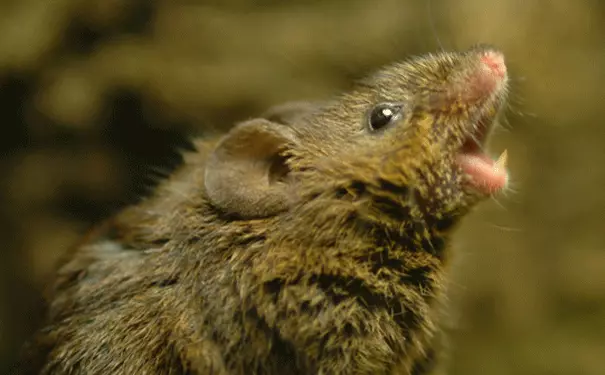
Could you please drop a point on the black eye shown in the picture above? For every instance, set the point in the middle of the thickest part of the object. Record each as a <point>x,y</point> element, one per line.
<point>383,114</point>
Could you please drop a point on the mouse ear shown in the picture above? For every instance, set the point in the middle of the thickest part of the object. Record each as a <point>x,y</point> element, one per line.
<point>289,113</point>
<point>246,173</point>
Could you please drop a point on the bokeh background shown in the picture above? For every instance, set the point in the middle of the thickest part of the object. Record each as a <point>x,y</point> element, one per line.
<point>93,92</point>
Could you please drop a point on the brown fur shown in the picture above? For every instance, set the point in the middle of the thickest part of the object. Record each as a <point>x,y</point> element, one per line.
<point>343,276</point>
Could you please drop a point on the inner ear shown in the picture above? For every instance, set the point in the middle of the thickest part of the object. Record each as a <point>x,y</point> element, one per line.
<point>247,173</point>
<point>279,169</point>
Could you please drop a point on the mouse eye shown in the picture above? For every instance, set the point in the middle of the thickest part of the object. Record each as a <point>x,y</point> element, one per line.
<point>383,114</point>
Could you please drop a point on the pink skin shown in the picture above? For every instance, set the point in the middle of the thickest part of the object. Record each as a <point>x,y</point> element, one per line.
<point>486,176</point>
<point>495,61</point>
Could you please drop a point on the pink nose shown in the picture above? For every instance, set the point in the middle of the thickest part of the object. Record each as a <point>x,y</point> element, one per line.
<point>495,62</point>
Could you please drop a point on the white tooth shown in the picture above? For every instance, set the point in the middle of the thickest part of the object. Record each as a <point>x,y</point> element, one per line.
<point>500,164</point>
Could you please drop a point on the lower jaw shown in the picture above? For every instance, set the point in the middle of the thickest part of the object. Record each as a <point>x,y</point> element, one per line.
<point>485,175</point>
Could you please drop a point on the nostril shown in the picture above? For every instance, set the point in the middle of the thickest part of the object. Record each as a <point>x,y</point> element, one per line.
<point>495,62</point>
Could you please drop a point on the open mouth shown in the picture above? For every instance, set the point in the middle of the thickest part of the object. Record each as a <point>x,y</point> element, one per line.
<point>487,175</point>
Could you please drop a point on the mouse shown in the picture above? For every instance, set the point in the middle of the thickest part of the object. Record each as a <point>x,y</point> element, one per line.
<point>314,238</point>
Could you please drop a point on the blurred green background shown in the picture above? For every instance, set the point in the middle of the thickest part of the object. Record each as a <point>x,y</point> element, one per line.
<point>92,91</point>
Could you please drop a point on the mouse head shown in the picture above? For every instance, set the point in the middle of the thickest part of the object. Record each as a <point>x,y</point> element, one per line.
<point>408,139</point>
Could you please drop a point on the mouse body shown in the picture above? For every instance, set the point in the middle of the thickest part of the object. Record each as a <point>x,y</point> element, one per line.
<point>313,239</point>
